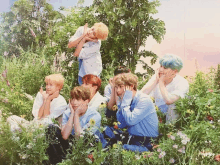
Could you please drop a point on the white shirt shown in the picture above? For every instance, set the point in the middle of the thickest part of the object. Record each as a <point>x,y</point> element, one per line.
<point>90,54</point>
<point>179,86</point>
<point>96,101</point>
<point>57,107</point>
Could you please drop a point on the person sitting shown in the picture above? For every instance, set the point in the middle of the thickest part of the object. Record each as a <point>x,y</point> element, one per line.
<point>93,82</point>
<point>76,119</point>
<point>88,43</point>
<point>48,104</point>
<point>109,89</point>
<point>167,86</point>
<point>136,112</point>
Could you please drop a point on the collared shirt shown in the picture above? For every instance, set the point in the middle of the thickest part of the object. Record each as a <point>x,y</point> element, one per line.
<point>90,54</point>
<point>138,114</point>
<point>179,86</point>
<point>84,120</point>
<point>107,92</point>
<point>57,107</point>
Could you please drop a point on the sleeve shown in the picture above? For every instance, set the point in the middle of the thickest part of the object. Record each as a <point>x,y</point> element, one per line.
<point>57,107</point>
<point>38,102</point>
<point>121,120</point>
<point>89,51</point>
<point>93,118</point>
<point>181,89</point>
<point>107,92</point>
<point>143,108</point>
<point>152,79</point>
<point>77,34</point>
<point>65,117</point>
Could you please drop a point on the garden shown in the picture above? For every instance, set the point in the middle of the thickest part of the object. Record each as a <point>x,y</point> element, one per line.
<point>32,48</point>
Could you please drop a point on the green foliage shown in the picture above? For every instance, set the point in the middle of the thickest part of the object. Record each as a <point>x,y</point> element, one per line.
<point>130,23</point>
<point>217,77</point>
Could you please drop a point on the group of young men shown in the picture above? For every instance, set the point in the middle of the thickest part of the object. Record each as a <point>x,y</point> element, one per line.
<point>135,109</point>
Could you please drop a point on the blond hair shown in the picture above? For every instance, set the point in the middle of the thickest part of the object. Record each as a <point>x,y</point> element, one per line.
<point>101,31</point>
<point>126,79</point>
<point>56,79</point>
<point>80,92</point>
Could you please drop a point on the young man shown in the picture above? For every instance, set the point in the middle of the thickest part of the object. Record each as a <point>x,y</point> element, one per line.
<point>109,89</point>
<point>167,86</point>
<point>136,112</point>
<point>75,120</point>
<point>88,42</point>
<point>93,82</point>
<point>48,104</point>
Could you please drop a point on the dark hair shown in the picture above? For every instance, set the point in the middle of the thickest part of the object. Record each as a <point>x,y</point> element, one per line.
<point>121,69</point>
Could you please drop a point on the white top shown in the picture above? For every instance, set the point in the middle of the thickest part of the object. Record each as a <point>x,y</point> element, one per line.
<point>96,101</point>
<point>90,54</point>
<point>179,86</point>
<point>57,107</point>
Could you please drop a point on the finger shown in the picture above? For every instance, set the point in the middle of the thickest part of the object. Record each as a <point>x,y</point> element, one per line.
<point>41,90</point>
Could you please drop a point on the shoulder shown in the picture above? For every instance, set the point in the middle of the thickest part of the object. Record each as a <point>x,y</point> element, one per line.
<point>101,98</point>
<point>142,97</point>
<point>108,86</point>
<point>179,80</point>
<point>67,112</point>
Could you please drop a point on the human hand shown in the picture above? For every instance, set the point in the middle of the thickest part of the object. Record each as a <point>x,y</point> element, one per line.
<point>167,76</point>
<point>157,75</point>
<point>87,38</point>
<point>81,109</point>
<point>111,82</point>
<point>54,95</point>
<point>71,108</point>
<point>44,94</point>
<point>85,29</point>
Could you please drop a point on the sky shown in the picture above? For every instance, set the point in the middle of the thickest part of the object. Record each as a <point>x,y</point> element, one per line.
<point>195,20</point>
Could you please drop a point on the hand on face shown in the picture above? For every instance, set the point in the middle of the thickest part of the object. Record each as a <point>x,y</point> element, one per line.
<point>111,82</point>
<point>54,95</point>
<point>44,94</point>
<point>167,76</point>
<point>71,108</point>
<point>81,109</point>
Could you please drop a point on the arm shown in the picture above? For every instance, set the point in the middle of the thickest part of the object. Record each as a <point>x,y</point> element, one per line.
<point>88,52</point>
<point>168,98</point>
<point>79,47</point>
<point>43,108</point>
<point>67,127</point>
<point>46,111</point>
<point>151,84</point>
<point>112,100</point>
<point>78,36</point>
<point>143,108</point>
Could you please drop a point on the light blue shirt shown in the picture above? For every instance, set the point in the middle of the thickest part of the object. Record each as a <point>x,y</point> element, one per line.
<point>91,113</point>
<point>138,114</point>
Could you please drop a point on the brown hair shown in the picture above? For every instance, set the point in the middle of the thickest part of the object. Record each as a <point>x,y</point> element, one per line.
<point>92,79</point>
<point>80,92</point>
<point>57,79</point>
<point>101,31</point>
<point>126,79</point>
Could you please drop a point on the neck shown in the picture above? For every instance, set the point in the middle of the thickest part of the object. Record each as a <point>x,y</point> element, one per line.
<point>92,95</point>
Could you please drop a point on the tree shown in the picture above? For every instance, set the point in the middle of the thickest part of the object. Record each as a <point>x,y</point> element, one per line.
<point>130,23</point>
<point>29,23</point>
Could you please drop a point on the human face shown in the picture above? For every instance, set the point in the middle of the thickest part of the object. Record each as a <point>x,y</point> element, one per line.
<point>51,88</point>
<point>165,71</point>
<point>120,90</point>
<point>76,103</point>
<point>91,88</point>
<point>91,33</point>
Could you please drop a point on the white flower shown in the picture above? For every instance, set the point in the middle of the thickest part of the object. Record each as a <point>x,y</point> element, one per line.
<point>2,89</point>
<point>172,137</point>
<point>175,146</point>
<point>184,141</point>
<point>211,122</point>
<point>162,154</point>
<point>171,160</point>
<point>24,156</point>
<point>137,157</point>
<point>30,145</point>
<point>122,22</point>
<point>96,14</point>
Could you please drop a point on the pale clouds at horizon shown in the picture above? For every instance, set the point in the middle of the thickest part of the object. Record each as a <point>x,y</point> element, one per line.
<point>198,20</point>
